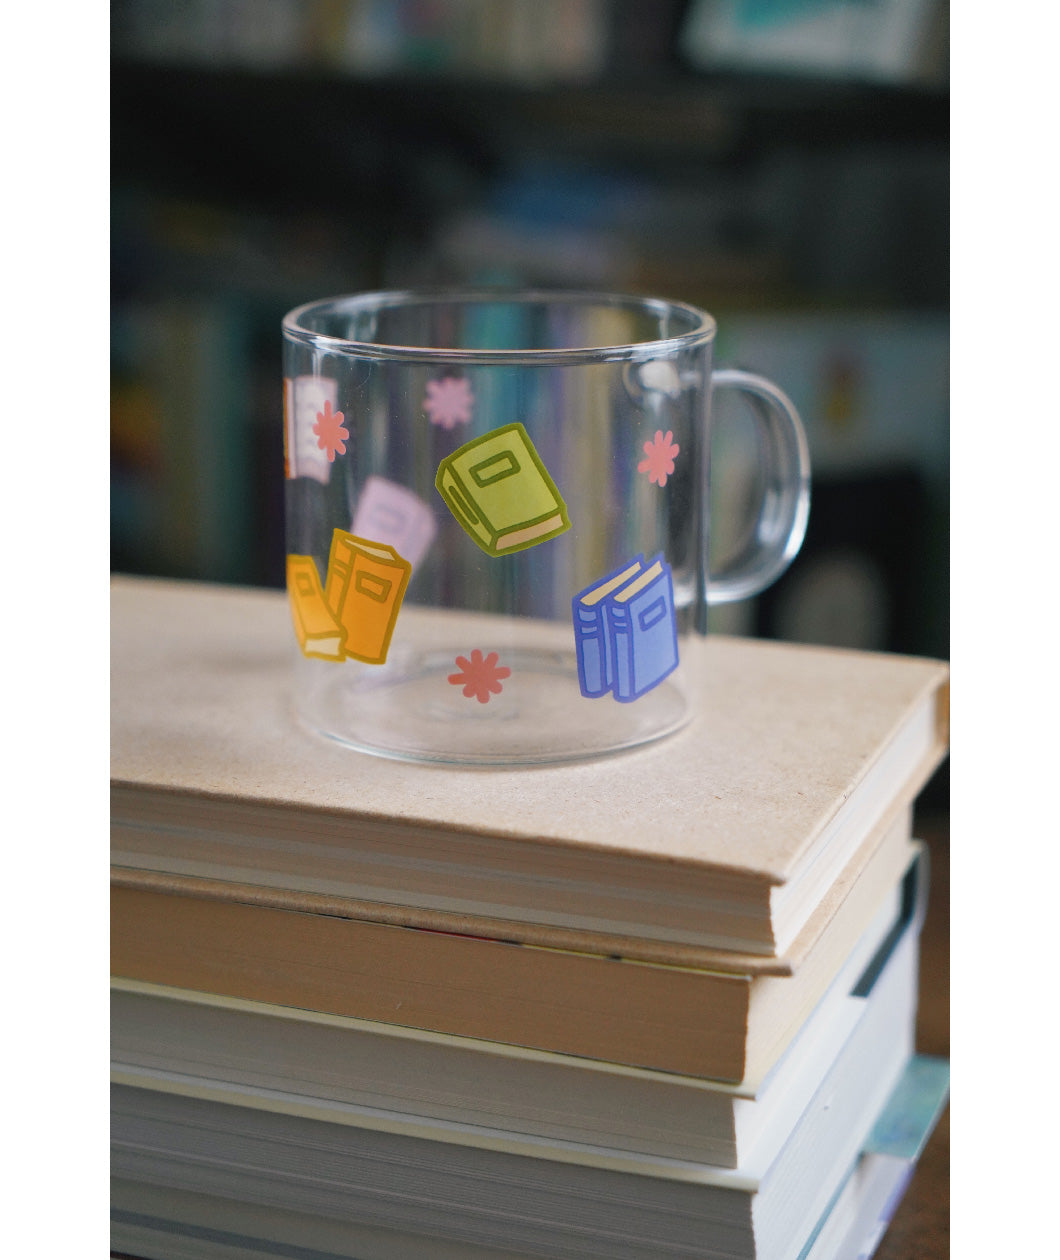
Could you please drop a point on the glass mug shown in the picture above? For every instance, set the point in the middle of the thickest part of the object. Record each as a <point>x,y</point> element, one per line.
<point>498,518</point>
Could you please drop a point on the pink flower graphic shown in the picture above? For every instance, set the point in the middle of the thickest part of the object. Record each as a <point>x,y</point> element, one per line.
<point>448,401</point>
<point>331,434</point>
<point>660,452</point>
<point>479,676</point>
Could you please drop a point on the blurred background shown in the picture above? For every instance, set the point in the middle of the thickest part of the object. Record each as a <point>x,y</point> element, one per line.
<point>784,163</point>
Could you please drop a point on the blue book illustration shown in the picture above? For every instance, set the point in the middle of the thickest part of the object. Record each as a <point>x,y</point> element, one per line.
<point>625,630</point>
<point>592,641</point>
<point>643,631</point>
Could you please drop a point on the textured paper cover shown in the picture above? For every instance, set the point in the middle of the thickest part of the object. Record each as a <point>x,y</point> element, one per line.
<point>201,702</point>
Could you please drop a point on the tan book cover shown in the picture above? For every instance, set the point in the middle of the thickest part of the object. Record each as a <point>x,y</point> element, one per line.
<point>727,836</point>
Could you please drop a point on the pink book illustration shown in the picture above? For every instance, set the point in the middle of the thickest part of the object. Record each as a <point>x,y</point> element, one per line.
<point>392,514</point>
<point>306,400</point>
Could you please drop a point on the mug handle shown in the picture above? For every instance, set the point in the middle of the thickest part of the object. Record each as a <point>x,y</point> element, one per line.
<point>777,534</point>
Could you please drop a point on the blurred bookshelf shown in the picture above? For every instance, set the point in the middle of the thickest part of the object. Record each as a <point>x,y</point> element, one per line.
<point>783,164</point>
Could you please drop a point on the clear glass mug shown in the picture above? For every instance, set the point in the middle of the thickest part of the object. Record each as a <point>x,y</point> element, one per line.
<point>498,518</point>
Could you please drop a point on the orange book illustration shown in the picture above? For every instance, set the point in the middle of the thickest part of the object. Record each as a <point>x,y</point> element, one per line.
<point>365,586</point>
<point>318,630</point>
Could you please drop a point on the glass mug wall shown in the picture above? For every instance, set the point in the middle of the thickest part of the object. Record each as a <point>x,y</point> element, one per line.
<point>498,518</point>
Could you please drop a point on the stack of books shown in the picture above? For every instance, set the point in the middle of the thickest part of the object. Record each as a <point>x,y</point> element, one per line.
<point>661,1004</point>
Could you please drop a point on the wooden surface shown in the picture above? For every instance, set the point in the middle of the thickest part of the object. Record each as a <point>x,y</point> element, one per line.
<point>921,1227</point>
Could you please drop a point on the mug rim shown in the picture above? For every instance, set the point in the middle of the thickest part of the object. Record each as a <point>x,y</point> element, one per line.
<point>703,330</point>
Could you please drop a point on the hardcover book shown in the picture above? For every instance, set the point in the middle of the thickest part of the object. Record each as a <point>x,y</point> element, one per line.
<point>668,854</point>
<point>501,493</point>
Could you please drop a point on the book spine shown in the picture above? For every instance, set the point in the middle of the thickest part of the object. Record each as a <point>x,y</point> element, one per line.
<point>370,606</point>
<point>592,650</point>
<point>621,635</point>
<point>571,1003</point>
<point>462,507</point>
<point>319,634</point>
<point>340,563</point>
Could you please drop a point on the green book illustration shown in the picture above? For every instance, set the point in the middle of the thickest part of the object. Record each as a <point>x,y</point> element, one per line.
<point>499,490</point>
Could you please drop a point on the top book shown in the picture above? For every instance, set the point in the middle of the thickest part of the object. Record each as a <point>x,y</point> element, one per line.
<point>720,840</point>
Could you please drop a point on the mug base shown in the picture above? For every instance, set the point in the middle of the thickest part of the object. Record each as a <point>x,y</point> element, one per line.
<point>421,706</point>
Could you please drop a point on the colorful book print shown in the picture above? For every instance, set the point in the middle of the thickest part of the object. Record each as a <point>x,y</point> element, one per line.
<point>365,585</point>
<point>501,493</point>
<point>595,656</point>
<point>625,630</point>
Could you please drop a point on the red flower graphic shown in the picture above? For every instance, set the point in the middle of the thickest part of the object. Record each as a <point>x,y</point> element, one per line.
<point>448,401</point>
<point>660,452</point>
<point>331,435</point>
<point>480,676</point>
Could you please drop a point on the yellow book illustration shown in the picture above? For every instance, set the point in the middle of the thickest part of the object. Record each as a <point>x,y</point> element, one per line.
<point>499,490</point>
<point>318,630</point>
<point>365,586</point>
